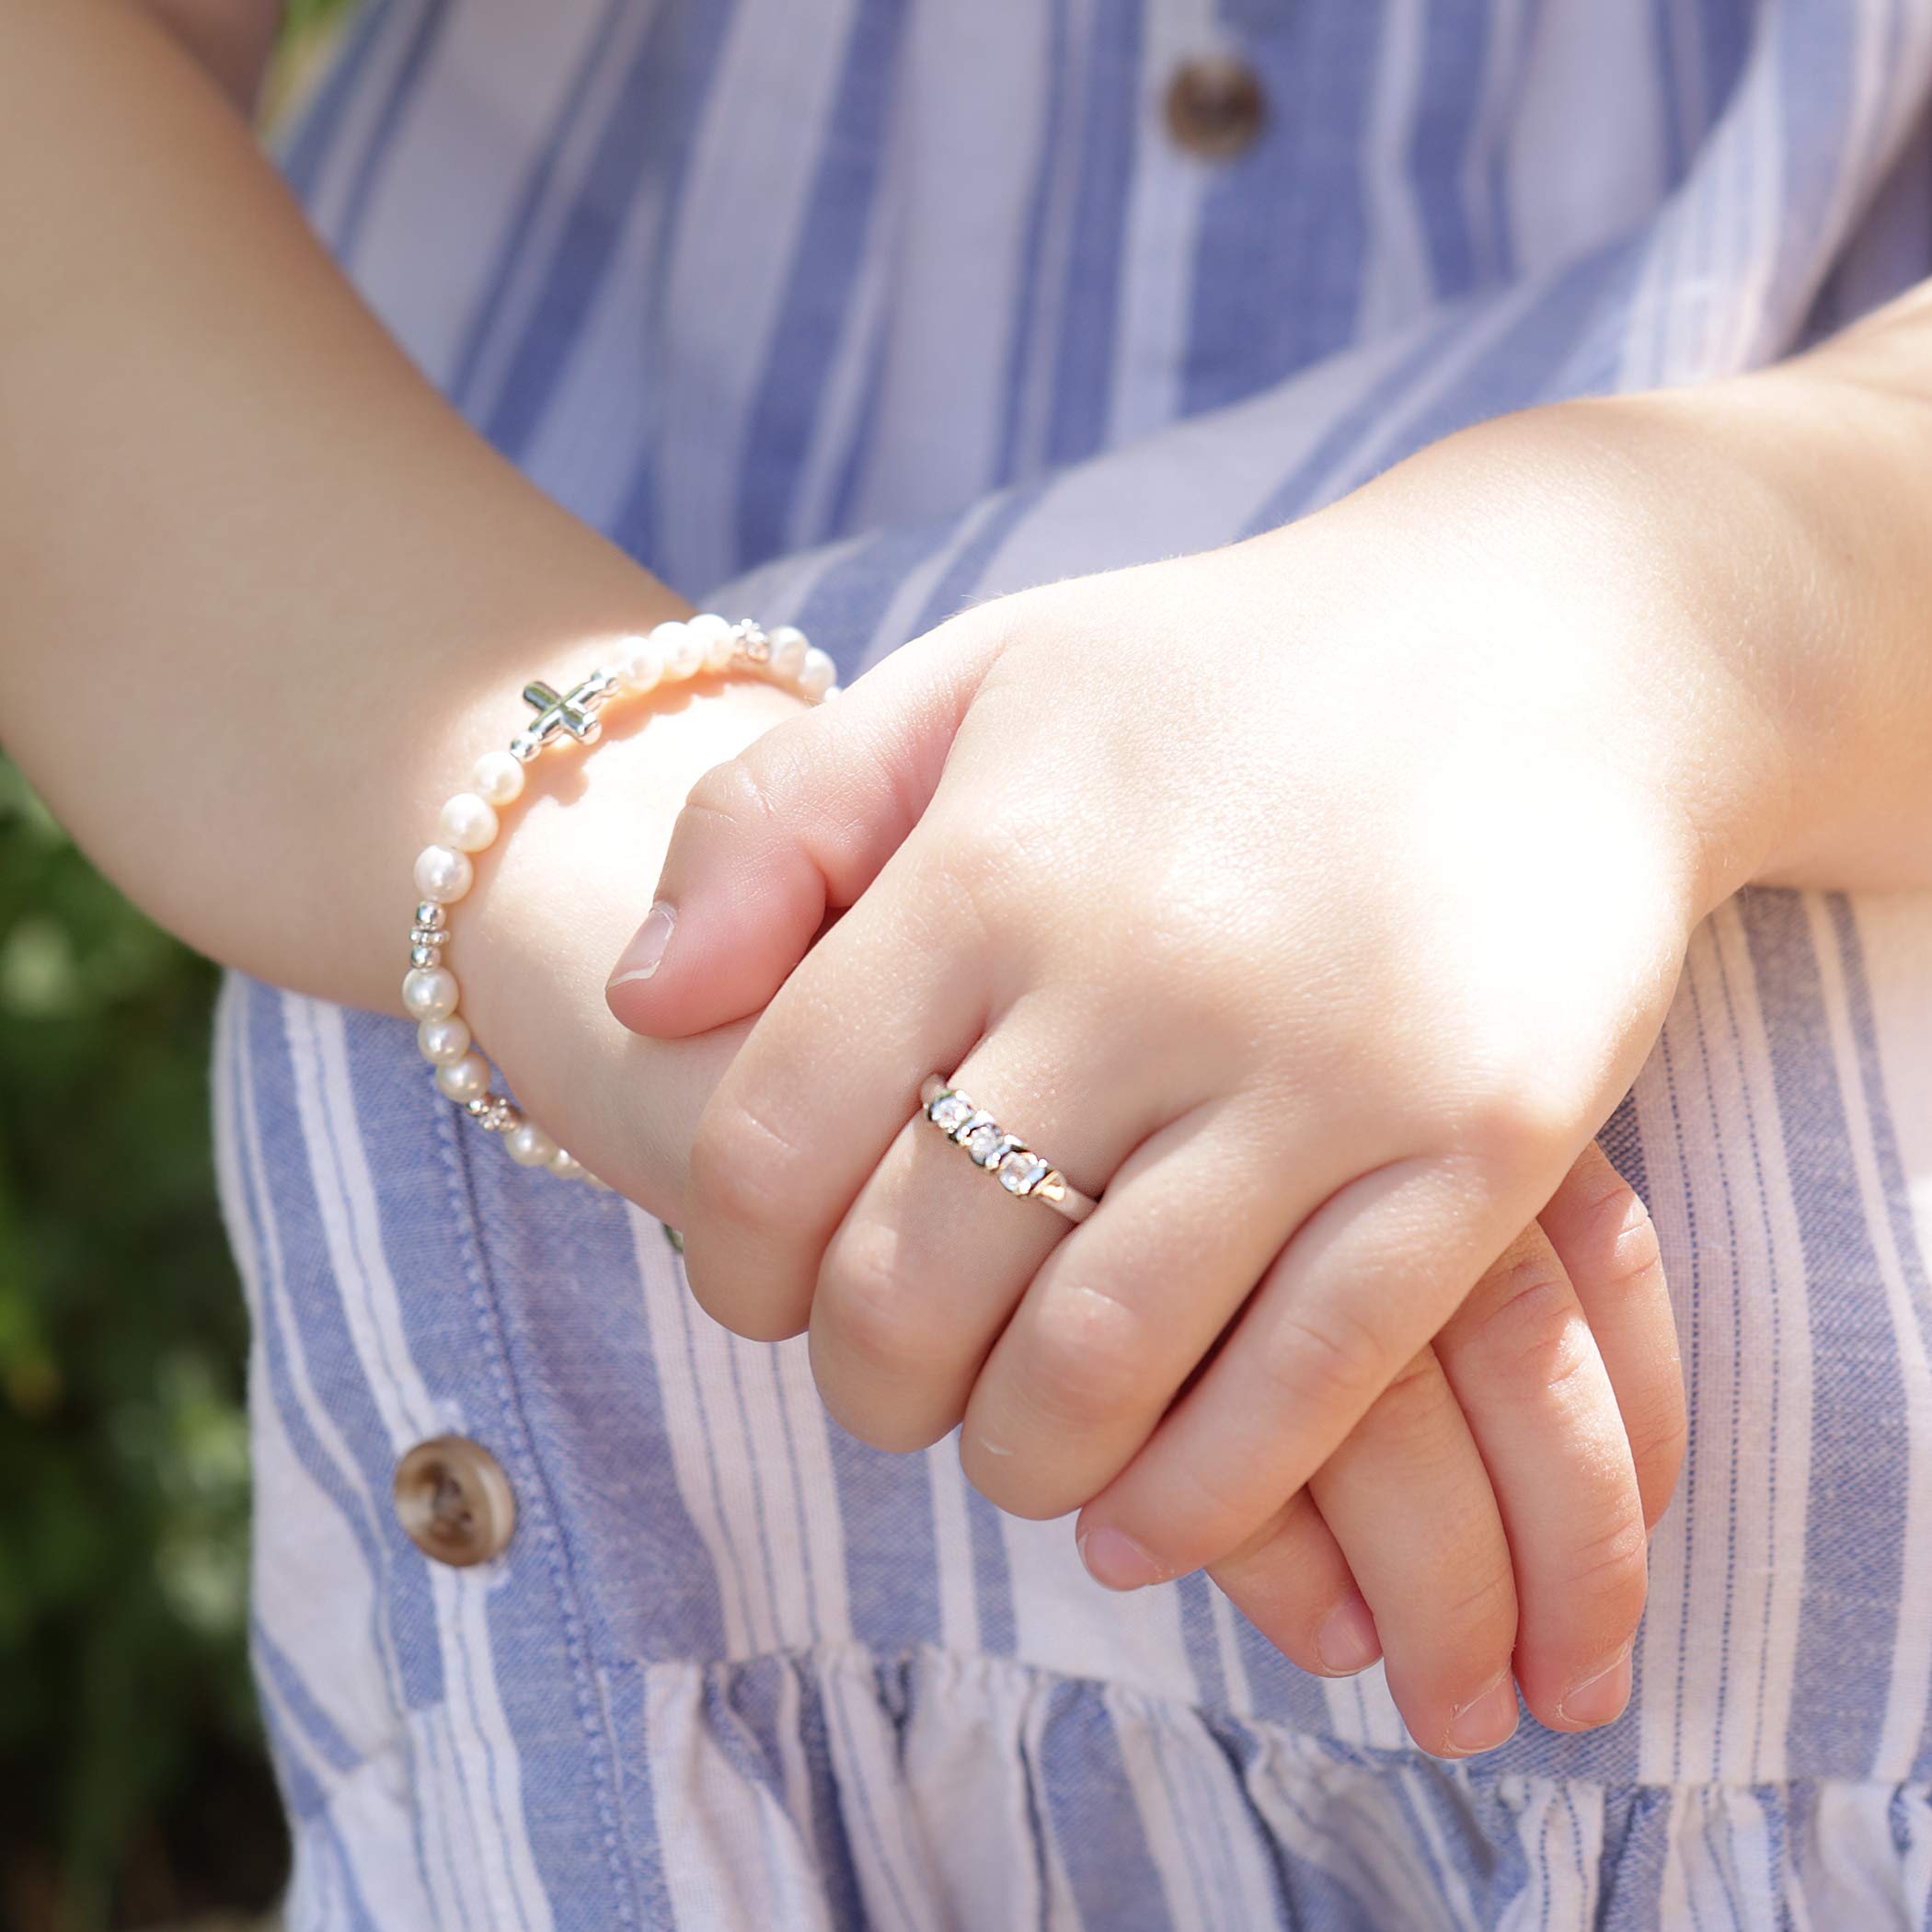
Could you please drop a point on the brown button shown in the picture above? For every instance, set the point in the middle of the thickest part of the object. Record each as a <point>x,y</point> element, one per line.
<point>1216,107</point>
<point>455,1500</point>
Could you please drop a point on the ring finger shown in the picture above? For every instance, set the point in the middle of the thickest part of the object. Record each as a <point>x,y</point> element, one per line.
<point>933,1256</point>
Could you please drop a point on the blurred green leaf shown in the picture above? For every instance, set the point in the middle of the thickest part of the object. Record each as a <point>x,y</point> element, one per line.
<point>126,1722</point>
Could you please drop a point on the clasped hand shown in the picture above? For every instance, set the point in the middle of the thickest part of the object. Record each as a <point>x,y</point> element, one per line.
<point>1314,900</point>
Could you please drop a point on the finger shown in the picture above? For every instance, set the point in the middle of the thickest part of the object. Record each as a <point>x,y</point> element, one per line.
<point>1293,1583</point>
<point>1607,1243</point>
<point>1521,1358</point>
<point>1409,1504</point>
<point>1123,1311</point>
<point>928,1265</point>
<point>799,822</point>
<point>828,1075</point>
<point>1357,1291</point>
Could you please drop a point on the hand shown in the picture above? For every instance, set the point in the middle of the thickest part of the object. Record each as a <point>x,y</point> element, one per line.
<point>1407,1543</point>
<point>1498,1495</point>
<point>1379,960</point>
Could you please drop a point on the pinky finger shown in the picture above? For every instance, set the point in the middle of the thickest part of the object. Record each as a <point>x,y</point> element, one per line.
<point>1293,1583</point>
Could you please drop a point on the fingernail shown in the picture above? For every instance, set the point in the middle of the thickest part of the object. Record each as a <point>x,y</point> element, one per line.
<point>1485,1721</point>
<point>1114,1559</point>
<point>1348,1640</point>
<point>640,959</point>
<point>1601,1696</point>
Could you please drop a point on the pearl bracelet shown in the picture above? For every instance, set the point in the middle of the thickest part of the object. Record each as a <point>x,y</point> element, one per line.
<point>470,824</point>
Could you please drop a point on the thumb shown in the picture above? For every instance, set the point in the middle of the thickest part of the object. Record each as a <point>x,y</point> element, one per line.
<point>793,828</point>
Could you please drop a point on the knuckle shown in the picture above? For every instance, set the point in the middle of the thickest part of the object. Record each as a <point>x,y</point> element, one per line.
<point>1294,1529</point>
<point>975,861</point>
<point>864,1303</point>
<point>1507,1129</point>
<point>1200,1520</point>
<point>744,1172</point>
<point>1596,1185</point>
<point>1617,1231</point>
<point>1536,1325</point>
<point>1605,1578</point>
<point>1659,1436</point>
<point>1328,1363</point>
<point>735,792</point>
<point>1408,1415</point>
<point>1085,1353</point>
<point>1633,1257</point>
<point>959,894</point>
<point>1477,1611</point>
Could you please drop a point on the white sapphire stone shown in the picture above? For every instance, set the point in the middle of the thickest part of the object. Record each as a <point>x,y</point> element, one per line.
<point>1022,1171</point>
<point>950,1111</point>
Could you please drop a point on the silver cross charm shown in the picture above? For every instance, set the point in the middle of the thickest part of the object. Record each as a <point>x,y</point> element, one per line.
<point>573,711</point>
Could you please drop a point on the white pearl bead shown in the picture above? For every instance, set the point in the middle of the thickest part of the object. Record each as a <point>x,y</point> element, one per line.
<point>566,1167</point>
<point>497,778</point>
<point>815,675</point>
<point>464,1079</point>
<point>430,993</point>
<point>469,822</point>
<point>789,648</point>
<point>640,664</point>
<point>715,634</point>
<point>443,1041</point>
<point>529,1145</point>
<point>442,874</point>
<point>683,654</point>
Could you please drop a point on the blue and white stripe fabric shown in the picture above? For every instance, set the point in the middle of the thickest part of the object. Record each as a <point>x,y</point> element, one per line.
<point>847,311</point>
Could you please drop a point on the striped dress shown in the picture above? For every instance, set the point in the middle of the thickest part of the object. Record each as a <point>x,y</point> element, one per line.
<point>847,311</point>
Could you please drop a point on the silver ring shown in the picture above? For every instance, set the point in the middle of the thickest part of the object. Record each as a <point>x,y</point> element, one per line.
<point>1015,1165</point>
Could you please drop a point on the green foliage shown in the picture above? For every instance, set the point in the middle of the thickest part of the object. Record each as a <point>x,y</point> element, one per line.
<point>129,1746</point>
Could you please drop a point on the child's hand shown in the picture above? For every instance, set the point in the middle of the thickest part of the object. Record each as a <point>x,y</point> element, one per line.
<point>1405,1500</point>
<point>1316,899</point>
<point>1489,1511</point>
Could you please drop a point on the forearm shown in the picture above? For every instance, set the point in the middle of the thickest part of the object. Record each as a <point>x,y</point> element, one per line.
<point>265,596</point>
<point>231,41</point>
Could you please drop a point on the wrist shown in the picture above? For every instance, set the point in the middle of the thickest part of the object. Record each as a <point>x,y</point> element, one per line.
<point>355,778</point>
<point>1617,551</point>
<point>555,894</point>
<point>1799,540</point>
<point>1728,601</point>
